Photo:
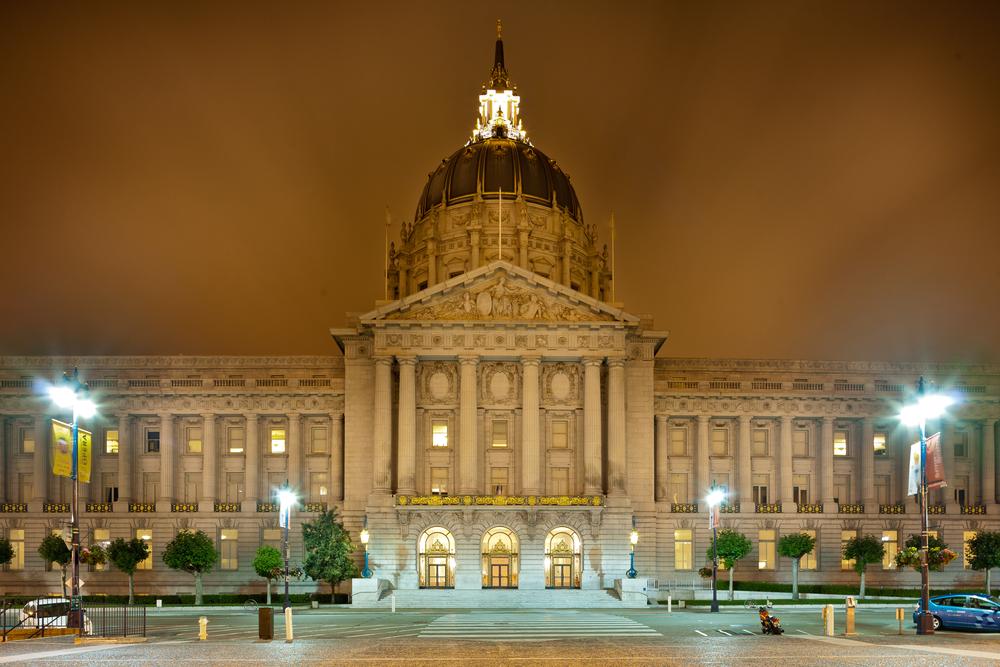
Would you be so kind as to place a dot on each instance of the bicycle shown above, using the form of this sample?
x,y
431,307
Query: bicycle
x,y
753,604
250,605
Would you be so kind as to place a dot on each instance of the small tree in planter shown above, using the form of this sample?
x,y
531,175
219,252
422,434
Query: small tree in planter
x,y
984,553
6,551
269,564
732,546
194,553
53,550
938,553
328,551
863,550
94,555
126,555
795,546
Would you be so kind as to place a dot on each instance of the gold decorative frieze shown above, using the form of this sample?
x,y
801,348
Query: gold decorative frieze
x,y
227,507
8,508
729,508
183,507
142,507
98,508
267,507
502,501
314,507
684,508
809,508
973,509
897,508
55,508
767,508
850,508
935,509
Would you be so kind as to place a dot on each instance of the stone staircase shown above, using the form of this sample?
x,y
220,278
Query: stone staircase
x,y
495,599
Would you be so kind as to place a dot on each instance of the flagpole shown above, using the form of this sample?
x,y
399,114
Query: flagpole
x,y
613,276
388,221
500,220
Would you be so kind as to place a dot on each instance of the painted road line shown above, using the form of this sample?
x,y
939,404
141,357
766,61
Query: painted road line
x,y
803,632
749,633
723,632
701,633
32,657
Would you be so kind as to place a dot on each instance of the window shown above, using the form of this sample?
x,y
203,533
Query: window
x,y
808,561
800,489
236,439
966,538
150,486
439,481
560,481
152,442
961,493
765,550
439,433
318,488
27,443
842,489
111,442
192,487
682,549
318,441
146,535
277,441
560,439
961,444
678,487
845,537
882,486
760,484
109,485
194,440
229,549
16,537
840,443
759,442
890,540
678,441
100,536
234,487
499,438
800,442
272,537
25,487
499,481
720,442
881,438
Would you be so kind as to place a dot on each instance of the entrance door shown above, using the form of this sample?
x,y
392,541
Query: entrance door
x,y
499,573
562,572
437,572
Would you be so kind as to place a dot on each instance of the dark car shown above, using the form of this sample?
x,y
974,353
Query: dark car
x,y
963,612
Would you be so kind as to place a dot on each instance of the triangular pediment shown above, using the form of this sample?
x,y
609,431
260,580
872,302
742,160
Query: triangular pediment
x,y
499,292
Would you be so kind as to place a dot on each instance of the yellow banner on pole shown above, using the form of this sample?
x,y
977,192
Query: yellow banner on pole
x,y
62,449
84,439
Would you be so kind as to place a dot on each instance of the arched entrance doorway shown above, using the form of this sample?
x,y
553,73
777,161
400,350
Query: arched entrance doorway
x,y
436,550
563,563
500,558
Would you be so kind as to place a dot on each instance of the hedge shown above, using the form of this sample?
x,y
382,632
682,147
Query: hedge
x,y
209,599
845,589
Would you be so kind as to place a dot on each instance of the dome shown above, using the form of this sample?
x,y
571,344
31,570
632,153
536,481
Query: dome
x,y
488,166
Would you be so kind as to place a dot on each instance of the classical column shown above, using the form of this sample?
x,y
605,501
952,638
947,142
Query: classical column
x,y
785,464
467,477
209,461
431,248
251,469
826,462
567,253
166,460
531,447
701,460
947,448
592,426
382,451
295,454
474,248
522,245
616,426
743,475
662,463
40,462
989,481
336,457
406,465
3,459
125,457
867,462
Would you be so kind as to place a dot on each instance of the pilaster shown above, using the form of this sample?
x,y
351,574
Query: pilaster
x,y
530,444
406,464
592,426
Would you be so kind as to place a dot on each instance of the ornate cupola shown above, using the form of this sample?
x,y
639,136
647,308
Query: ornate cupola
x,y
498,197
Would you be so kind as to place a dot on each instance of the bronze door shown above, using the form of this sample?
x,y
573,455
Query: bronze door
x,y
562,572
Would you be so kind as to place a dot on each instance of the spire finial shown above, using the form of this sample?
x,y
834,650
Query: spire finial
x,y
499,29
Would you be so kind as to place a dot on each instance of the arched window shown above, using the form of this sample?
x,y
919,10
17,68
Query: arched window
x,y
563,562
500,558
436,549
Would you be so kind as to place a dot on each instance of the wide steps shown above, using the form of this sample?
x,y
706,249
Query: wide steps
x,y
497,599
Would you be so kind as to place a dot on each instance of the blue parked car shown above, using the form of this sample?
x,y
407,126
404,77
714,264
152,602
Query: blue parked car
x,y
967,611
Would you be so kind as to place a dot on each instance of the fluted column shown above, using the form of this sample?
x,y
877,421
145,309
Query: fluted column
x,y
826,462
616,426
209,460
867,462
382,453
662,463
125,458
295,453
40,461
407,422
166,460
530,446
592,426
785,463
745,480
467,431
947,449
251,470
701,459
336,457
988,467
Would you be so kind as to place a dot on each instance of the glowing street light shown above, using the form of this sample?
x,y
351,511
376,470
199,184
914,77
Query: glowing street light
x,y
366,572
928,406
715,498
633,539
286,499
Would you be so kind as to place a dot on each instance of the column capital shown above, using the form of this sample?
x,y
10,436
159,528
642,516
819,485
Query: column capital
x,y
744,419
704,419
661,419
208,416
407,360
990,422
593,361
251,416
468,359
166,416
383,359
616,362
827,419
531,360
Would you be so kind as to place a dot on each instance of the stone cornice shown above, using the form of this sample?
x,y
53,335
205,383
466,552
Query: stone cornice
x,y
804,365
126,362
804,407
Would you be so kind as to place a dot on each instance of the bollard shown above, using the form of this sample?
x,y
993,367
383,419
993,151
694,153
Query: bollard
x,y
393,598
265,623
159,603
849,623
670,604
899,617
203,628
828,620
288,625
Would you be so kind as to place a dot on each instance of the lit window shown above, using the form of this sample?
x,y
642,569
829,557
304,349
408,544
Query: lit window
x,y
678,441
277,441
146,535
16,537
499,433
152,442
498,481
317,487
759,442
678,487
560,439
800,442
845,537
881,437
28,444
320,444
111,442
720,442
439,433
840,443
682,549
808,561
236,439
560,481
439,481
966,538
229,549
194,440
765,550
890,540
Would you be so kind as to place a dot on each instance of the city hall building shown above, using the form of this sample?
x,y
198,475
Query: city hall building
x,y
499,424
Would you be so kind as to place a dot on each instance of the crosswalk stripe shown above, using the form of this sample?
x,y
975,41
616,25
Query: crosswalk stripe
x,y
701,633
747,631
723,632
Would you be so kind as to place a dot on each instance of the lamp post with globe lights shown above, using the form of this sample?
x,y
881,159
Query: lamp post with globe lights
x,y
927,406
633,539
714,499
286,499
365,536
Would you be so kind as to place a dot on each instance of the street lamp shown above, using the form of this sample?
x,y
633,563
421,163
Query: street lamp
x,y
367,572
928,406
286,498
73,394
714,499
633,539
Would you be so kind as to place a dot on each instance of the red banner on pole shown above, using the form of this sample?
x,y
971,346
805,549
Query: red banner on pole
x,y
935,463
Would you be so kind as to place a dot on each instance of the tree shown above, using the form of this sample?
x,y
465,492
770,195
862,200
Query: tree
x,y
863,550
126,555
732,546
94,555
938,553
194,553
269,564
53,550
795,546
328,551
983,553
6,551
